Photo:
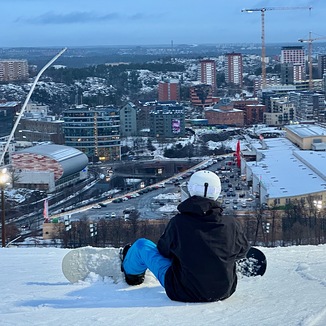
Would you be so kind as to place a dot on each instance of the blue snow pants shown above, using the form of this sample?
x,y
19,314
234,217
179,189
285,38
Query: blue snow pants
x,y
144,254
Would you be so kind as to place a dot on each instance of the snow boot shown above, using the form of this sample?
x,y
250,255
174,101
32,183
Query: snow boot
x,y
130,279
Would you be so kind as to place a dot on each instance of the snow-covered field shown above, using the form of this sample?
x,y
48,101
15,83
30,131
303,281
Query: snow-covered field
x,y
33,291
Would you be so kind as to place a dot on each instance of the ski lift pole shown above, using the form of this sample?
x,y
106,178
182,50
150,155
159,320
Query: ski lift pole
x,y
26,102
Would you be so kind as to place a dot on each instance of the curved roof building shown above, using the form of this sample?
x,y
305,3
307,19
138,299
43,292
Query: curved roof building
x,y
64,163
62,160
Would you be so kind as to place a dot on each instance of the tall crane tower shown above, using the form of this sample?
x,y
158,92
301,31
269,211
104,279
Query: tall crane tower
x,y
263,48
309,41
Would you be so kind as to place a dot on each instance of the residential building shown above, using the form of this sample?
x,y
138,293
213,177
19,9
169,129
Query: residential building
x,y
94,131
233,69
254,114
294,57
36,125
309,105
143,118
252,109
45,129
321,65
128,120
275,91
271,82
287,74
282,112
169,90
303,85
11,70
167,121
207,73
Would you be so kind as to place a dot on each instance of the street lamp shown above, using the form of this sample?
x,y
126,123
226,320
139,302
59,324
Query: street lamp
x,y
4,179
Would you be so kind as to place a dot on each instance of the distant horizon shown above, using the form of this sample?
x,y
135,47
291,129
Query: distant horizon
x,y
158,45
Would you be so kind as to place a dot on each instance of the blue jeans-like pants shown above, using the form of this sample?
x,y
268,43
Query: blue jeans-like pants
x,y
144,254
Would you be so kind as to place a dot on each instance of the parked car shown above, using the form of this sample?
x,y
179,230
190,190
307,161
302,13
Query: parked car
x,y
102,204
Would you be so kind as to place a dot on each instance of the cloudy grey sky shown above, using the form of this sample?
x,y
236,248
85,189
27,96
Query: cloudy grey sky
x,y
30,23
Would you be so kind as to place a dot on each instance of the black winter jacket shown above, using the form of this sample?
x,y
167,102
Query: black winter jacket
x,y
204,246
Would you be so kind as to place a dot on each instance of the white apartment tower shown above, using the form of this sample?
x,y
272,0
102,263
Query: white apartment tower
x,y
233,68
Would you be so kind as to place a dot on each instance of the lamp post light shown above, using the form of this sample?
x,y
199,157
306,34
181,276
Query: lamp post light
x,y
4,178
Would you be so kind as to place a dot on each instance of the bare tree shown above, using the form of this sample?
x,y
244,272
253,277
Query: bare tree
x,y
133,219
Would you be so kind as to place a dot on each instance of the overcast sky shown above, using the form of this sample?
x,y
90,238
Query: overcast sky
x,y
141,22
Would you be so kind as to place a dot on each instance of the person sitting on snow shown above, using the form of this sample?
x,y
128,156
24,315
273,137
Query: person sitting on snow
x,y
195,258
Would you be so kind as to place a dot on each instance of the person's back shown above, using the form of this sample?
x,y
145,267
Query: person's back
x,y
203,245
194,259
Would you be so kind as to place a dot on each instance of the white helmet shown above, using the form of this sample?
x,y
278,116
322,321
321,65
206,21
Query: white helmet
x,y
204,184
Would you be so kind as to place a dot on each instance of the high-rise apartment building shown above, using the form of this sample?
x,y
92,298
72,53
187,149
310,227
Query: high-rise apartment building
x,y
309,105
128,120
233,68
13,70
282,112
94,131
167,121
294,56
169,90
321,65
207,73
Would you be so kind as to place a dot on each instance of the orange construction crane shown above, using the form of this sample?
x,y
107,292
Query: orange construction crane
x,y
263,48
309,41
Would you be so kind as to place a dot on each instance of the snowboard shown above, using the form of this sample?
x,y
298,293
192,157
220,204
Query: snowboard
x,y
81,263
254,264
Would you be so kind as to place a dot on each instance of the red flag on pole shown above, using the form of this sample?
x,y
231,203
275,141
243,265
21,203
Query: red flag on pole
x,y
238,154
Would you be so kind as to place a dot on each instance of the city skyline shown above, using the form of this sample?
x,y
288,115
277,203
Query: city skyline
x,y
39,23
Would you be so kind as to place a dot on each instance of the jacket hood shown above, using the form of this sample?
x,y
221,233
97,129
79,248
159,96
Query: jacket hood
x,y
196,205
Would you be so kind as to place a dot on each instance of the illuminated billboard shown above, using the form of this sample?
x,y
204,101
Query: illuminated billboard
x,y
176,126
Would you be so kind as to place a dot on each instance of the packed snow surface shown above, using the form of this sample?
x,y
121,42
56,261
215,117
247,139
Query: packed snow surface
x,y
35,292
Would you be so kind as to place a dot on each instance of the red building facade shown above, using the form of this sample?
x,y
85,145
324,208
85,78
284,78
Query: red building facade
x,y
169,91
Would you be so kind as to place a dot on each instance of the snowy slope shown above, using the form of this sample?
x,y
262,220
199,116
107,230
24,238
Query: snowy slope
x,y
34,292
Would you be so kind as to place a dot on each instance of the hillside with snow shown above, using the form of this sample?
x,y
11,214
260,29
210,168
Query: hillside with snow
x,y
35,292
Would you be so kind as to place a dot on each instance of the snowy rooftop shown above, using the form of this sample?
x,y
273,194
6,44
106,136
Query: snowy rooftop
x,y
307,130
286,171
